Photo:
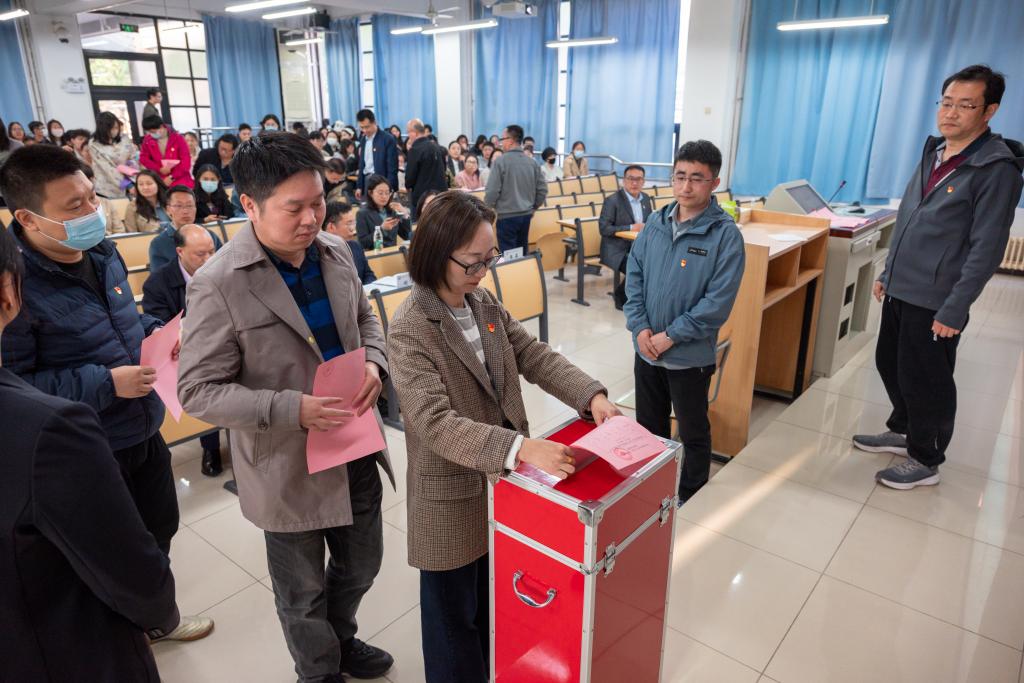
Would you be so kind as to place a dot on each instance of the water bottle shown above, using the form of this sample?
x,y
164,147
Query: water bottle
x,y
378,239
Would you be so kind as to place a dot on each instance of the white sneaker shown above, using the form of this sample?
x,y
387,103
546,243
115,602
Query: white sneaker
x,y
188,629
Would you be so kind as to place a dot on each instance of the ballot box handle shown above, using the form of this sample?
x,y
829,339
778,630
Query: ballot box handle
x,y
526,599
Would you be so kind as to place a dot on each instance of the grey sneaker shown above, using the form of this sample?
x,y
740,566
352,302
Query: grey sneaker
x,y
907,475
886,442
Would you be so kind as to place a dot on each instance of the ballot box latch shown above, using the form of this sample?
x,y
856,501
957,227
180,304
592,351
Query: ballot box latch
x,y
609,558
666,510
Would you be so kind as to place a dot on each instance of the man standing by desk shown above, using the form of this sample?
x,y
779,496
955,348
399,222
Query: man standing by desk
x,y
951,234
693,250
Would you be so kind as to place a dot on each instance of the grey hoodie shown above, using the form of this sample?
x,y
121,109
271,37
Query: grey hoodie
x,y
948,243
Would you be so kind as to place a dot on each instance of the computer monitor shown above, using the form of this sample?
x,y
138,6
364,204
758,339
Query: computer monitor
x,y
807,197
796,196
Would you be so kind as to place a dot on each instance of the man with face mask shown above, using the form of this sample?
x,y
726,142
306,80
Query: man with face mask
x,y
79,335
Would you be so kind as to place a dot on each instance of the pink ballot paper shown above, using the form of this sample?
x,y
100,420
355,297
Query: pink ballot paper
x,y
156,353
621,441
836,220
358,436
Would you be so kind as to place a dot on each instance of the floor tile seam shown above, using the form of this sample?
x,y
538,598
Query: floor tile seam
x,y
752,546
231,502
368,638
713,649
813,486
222,601
223,554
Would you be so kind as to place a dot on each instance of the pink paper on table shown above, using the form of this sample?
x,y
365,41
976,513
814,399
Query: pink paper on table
x,y
358,436
835,219
156,353
621,441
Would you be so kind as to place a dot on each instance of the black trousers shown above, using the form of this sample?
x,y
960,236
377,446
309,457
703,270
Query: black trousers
x,y
455,618
658,391
917,370
514,232
146,468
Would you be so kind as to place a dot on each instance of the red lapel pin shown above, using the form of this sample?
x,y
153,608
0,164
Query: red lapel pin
x,y
949,190
117,289
490,327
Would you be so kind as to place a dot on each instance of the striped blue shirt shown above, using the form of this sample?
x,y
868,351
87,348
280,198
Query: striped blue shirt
x,y
306,283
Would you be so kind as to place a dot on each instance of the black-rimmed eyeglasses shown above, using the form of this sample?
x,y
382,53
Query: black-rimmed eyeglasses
x,y
473,269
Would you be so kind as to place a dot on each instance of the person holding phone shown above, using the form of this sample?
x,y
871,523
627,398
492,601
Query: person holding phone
x,y
380,210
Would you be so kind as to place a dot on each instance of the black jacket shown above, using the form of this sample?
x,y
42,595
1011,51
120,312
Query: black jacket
x,y
222,205
163,293
368,219
617,216
385,159
424,170
949,242
366,274
211,157
81,580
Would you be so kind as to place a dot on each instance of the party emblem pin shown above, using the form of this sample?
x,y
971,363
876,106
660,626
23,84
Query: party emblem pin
x,y
682,263
490,327
949,190
117,289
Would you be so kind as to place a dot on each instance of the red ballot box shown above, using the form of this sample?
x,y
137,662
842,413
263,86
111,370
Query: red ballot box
x,y
580,570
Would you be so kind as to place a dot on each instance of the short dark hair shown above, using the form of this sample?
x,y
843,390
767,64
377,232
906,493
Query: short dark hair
x,y
105,123
5,140
995,82
265,161
336,166
422,203
515,132
450,222
151,92
179,189
366,115
33,125
315,135
70,135
372,183
231,139
638,167
701,152
487,144
579,143
335,210
24,177
428,127
270,117
152,122
10,259
528,139
548,152
244,126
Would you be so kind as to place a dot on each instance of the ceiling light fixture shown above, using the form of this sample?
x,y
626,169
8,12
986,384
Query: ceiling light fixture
x,y
469,26
13,14
848,22
304,41
406,30
583,42
263,4
289,13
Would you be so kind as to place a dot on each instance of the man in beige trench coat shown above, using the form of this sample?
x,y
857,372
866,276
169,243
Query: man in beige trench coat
x,y
272,305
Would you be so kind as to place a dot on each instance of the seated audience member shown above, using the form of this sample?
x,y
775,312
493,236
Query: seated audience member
x,y
115,222
340,220
79,337
212,202
624,211
244,132
478,145
396,132
165,152
347,153
380,210
469,178
193,144
37,133
425,200
76,562
181,207
454,161
331,144
576,164
7,145
299,129
219,157
316,138
495,140
149,208
337,187
16,131
463,142
486,151
56,130
76,141
497,154
270,123
110,150
163,297
528,145
549,168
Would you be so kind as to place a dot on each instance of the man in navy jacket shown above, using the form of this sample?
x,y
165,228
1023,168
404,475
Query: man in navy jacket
x,y
79,335
378,153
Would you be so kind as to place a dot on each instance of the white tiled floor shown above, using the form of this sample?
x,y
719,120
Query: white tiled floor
x,y
790,566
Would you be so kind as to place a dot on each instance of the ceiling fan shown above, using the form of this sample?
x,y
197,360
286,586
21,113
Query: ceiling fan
x,y
432,14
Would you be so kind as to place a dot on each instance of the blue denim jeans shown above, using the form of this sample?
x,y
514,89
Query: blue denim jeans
x,y
514,232
454,615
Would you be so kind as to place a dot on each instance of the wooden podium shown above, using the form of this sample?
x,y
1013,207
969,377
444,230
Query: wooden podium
x,y
774,320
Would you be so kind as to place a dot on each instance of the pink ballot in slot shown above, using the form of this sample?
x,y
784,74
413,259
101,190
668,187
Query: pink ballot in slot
x,y
621,441
357,437
156,353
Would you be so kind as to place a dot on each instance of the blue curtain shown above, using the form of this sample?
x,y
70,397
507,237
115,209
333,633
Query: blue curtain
x,y
931,41
516,77
622,96
16,104
405,86
245,81
811,98
344,84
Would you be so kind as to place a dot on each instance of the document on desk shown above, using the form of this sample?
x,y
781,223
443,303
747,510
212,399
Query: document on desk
x,y
156,353
357,437
621,441
835,220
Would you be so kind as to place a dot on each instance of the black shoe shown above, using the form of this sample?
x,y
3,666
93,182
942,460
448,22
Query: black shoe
x,y
365,661
211,463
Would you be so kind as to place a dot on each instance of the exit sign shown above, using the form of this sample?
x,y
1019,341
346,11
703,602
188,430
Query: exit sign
x,y
130,28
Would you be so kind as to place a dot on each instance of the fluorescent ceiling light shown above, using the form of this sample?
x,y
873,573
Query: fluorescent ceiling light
x,y
13,14
408,29
263,4
303,41
848,22
469,26
289,13
583,42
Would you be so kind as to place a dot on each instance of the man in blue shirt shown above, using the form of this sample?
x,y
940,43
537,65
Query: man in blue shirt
x,y
682,278
378,153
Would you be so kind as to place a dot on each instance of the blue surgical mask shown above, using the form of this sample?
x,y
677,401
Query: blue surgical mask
x,y
155,135
270,126
84,232
209,186
578,153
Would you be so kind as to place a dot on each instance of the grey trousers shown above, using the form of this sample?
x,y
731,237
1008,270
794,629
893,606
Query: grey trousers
x,y
317,606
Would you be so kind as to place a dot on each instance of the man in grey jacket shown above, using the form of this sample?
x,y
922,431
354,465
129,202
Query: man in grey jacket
x,y
951,234
515,188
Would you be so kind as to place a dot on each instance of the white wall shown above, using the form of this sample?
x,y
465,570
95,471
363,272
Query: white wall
x,y
712,69
55,62
448,62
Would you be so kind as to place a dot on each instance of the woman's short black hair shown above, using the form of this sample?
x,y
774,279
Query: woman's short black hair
x,y
578,143
270,117
448,223
70,135
548,152
105,124
266,160
335,210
